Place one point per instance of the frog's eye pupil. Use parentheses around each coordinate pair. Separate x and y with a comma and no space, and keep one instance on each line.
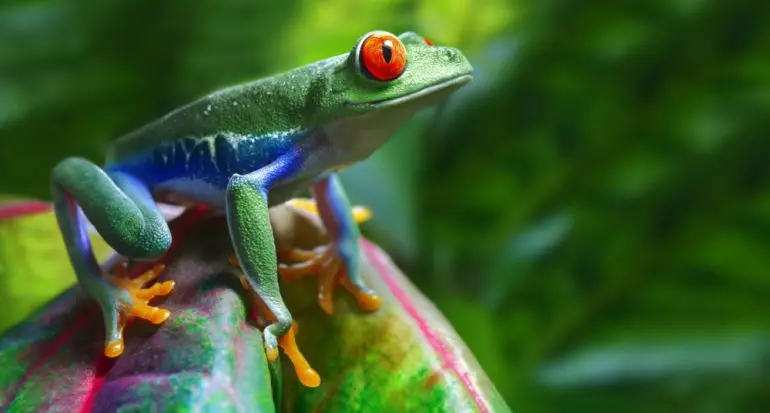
(382,56)
(387,51)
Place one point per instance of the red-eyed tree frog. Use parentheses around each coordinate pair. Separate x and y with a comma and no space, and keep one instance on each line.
(239,151)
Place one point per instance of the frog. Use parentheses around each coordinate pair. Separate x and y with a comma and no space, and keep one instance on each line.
(239,151)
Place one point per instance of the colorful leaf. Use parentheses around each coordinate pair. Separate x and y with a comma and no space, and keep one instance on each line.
(403,357)
(32,254)
(205,355)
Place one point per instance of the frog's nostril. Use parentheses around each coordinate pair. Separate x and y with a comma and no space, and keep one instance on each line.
(451,55)
(447,55)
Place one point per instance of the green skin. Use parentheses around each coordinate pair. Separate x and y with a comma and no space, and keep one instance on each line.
(241,150)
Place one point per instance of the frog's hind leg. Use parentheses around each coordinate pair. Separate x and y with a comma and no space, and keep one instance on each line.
(252,237)
(307,375)
(123,212)
(337,262)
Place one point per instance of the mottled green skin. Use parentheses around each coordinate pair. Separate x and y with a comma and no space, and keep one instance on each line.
(276,136)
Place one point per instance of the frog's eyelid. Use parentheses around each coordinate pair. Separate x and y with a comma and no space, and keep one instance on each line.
(411,38)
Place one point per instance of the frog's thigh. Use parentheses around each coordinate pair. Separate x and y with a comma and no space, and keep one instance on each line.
(155,237)
(118,205)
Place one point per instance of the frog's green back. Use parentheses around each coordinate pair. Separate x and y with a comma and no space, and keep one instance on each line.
(308,97)
(275,104)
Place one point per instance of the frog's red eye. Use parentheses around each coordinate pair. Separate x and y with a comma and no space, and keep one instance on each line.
(382,56)
(427,41)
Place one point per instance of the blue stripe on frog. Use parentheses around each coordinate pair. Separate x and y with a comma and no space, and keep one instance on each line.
(211,159)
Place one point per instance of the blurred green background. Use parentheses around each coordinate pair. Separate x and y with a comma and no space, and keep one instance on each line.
(592,213)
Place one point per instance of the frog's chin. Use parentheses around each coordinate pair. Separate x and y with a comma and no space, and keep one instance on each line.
(357,137)
(425,96)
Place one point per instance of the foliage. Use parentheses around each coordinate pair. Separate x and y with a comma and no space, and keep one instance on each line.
(206,346)
(33,263)
(209,355)
(614,212)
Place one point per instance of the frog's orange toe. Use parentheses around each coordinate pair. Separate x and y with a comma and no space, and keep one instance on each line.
(156,290)
(306,374)
(310,263)
(140,297)
(309,377)
(367,300)
(114,348)
(165,288)
(326,304)
(158,315)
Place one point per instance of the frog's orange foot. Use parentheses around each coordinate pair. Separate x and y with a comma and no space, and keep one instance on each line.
(325,262)
(288,343)
(138,303)
(306,374)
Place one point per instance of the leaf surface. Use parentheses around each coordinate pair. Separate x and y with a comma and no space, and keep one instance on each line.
(404,357)
(208,355)
(205,356)
(34,266)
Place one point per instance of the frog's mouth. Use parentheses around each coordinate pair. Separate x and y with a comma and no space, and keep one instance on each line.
(437,89)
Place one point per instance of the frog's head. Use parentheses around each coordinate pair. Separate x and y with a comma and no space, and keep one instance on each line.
(386,71)
(361,98)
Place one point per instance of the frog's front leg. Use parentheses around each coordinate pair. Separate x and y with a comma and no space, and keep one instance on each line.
(339,261)
(252,237)
(125,215)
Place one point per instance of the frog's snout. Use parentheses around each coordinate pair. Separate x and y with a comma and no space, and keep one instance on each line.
(456,59)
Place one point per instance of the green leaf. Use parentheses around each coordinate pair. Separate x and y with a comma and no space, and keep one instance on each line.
(206,356)
(403,357)
(34,266)
(656,360)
